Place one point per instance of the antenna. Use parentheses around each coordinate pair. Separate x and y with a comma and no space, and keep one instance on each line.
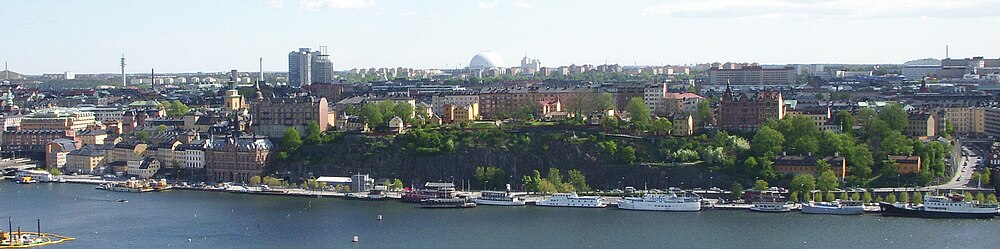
(6,72)
(261,77)
(124,82)
(152,79)
(946,56)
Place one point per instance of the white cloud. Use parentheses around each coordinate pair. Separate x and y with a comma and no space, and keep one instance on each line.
(409,14)
(522,5)
(335,4)
(827,8)
(276,3)
(487,5)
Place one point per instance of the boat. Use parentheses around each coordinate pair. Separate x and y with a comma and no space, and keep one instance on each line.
(26,180)
(770,207)
(840,207)
(499,198)
(573,200)
(136,186)
(375,195)
(431,190)
(953,206)
(447,203)
(34,176)
(661,202)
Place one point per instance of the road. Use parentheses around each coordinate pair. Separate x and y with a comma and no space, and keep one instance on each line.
(963,177)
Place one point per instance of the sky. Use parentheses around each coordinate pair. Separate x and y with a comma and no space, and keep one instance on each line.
(47,36)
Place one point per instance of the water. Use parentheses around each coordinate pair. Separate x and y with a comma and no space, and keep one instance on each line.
(222,220)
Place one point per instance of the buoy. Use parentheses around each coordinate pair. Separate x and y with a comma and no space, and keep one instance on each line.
(379,216)
(355,240)
(189,239)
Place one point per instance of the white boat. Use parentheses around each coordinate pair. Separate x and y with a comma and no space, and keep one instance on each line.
(35,175)
(836,207)
(498,198)
(952,206)
(770,207)
(661,202)
(572,200)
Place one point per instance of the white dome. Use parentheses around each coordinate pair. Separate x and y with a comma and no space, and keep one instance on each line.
(486,60)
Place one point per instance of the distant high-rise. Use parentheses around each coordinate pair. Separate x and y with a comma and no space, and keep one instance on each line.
(307,66)
(530,66)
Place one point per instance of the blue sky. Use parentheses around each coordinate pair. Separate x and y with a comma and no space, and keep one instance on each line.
(216,35)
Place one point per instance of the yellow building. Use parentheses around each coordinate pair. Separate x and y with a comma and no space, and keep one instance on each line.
(965,120)
(58,119)
(683,125)
(232,101)
(84,161)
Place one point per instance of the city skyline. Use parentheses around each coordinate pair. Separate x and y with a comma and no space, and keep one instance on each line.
(216,36)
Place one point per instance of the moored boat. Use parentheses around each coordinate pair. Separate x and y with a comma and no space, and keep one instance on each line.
(431,190)
(953,206)
(770,207)
(447,203)
(498,198)
(661,202)
(840,207)
(573,200)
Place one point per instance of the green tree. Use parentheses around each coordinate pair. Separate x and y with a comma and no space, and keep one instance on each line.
(829,196)
(991,198)
(845,120)
(661,126)
(891,198)
(705,115)
(161,128)
(404,111)
(766,142)
(142,135)
(904,197)
(827,181)
(55,171)
(918,198)
(397,183)
(803,183)
(822,166)
(894,116)
(578,180)
(980,197)
(554,177)
(371,113)
(491,177)
(760,185)
(844,196)
(627,155)
(292,140)
(794,197)
(313,135)
(737,191)
(546,187)
(948,129)
(531,182)
(255,180)
(867,198)
(855,196)
(638,110)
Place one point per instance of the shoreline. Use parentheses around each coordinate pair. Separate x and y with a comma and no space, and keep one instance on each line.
(611,201)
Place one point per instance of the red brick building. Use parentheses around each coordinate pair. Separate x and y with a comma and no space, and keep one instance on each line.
(748,111)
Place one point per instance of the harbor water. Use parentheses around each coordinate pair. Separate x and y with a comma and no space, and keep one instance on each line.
(194,219)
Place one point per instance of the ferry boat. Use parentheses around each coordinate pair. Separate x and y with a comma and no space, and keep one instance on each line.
(447,203)
(661,202)
(431,190)
(136,186)
(840,207)
(499,198)
(26,180)
(573,200)
(953,206)
(770,207)
(33,176)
